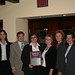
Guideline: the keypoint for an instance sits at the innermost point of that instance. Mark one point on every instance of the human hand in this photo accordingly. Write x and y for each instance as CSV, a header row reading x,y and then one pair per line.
x,y
30,66
13,69
59,73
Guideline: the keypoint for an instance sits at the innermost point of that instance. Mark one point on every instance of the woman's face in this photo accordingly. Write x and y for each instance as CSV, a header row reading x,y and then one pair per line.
x,y
48,40
58,37
69,39
2,36
34,39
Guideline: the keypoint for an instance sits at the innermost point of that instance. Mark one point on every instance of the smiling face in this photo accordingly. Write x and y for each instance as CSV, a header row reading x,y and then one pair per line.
x,y
34,38
69,39
2,36
20,37
48,40
58,37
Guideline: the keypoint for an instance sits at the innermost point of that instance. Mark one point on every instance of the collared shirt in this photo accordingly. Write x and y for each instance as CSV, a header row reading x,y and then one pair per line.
x,y
3,47
21,45
35,48
67,51
43,56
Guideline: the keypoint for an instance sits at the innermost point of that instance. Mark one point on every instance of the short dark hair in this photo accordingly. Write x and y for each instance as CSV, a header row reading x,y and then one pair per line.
x,y
20,32
70,33
31,34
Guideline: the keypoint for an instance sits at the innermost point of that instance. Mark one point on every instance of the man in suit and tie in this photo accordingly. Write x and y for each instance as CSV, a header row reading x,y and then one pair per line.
x,y
69,67
15,54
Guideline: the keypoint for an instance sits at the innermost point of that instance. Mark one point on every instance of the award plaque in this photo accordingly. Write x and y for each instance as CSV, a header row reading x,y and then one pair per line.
x,y
35,58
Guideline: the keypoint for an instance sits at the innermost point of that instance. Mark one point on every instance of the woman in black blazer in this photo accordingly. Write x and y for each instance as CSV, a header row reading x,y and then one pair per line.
x,y
5,68
28,68
48,56
61,49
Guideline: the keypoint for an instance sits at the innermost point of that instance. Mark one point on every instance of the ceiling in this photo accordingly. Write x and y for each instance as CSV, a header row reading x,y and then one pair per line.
x,y
2,2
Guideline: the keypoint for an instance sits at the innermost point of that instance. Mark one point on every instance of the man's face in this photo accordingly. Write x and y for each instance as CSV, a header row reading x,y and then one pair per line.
x,y
20,37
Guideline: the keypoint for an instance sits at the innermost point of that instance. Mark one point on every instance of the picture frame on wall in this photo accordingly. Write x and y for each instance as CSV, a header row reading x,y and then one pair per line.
x,y
42,3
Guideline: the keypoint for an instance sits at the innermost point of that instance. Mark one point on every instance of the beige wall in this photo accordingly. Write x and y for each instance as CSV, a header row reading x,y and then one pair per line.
x,y
22,25
28,8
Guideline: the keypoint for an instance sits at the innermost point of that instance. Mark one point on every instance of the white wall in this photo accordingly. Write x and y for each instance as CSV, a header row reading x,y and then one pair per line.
x,y
28,8
22,25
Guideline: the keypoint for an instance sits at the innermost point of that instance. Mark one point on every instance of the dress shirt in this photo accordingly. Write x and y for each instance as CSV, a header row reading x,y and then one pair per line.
x,y
35,48
43,56
67,51
21,45
3,48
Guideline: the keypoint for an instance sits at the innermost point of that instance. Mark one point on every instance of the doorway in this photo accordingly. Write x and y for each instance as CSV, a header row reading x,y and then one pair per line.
x,y
43,26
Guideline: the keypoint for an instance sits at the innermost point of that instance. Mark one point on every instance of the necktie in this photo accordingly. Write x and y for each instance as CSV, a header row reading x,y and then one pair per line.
x,y
22,45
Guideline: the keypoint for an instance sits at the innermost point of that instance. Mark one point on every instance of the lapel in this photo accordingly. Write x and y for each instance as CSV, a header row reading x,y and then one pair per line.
x,y
39,48
30,48
69,51
7,50
18,50
0,52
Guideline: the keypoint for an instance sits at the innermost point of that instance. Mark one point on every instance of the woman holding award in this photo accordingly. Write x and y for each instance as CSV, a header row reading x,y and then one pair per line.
x,y
49,57
32,66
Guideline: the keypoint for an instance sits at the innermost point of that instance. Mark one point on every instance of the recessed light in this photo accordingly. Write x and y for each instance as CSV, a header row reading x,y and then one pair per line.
x,y
64,14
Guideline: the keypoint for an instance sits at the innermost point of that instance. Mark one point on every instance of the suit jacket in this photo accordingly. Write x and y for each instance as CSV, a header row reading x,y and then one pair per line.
x,y
61,49
7,51
15,58
50,58
5,65
26,56
69,68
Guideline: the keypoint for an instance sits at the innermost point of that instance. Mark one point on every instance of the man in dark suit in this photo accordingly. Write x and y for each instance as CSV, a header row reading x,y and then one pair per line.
x,y
69,68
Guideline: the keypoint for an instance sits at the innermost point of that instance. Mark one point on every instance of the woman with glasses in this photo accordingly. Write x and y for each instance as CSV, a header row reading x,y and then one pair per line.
x,y
34,46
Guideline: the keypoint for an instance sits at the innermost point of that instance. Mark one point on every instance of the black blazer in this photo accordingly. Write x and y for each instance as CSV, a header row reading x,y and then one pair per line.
x,y
25,57
50,58
69,68
7,50
61,49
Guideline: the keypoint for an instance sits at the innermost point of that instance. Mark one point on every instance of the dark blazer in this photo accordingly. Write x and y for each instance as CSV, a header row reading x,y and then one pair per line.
x,y
25,57
5,67
50,58
69,68
7,51
61,49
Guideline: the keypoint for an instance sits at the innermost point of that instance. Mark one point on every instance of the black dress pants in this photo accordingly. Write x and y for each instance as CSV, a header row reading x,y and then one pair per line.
x,y
33,71
5,68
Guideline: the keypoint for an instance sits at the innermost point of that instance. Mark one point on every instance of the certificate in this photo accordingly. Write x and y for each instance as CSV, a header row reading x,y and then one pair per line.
x,y
35,58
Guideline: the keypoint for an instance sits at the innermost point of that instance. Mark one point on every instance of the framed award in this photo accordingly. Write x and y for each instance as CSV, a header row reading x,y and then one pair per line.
x,y
35,58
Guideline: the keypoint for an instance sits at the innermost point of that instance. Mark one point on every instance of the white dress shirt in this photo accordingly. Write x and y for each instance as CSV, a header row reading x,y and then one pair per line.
x,y
35,48
67,51
3,48
43,56
21,45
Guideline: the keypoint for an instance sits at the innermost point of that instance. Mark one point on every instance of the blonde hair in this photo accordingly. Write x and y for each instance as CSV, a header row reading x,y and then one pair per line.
x,y
49,35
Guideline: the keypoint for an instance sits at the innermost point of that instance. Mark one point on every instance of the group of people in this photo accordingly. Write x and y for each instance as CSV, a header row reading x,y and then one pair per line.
x,y
55,60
